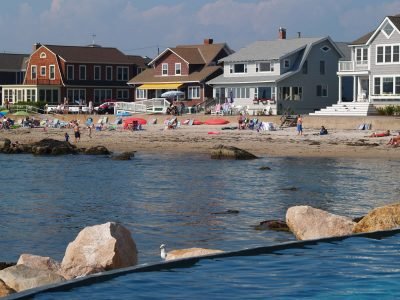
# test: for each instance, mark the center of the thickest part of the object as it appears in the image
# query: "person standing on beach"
(299, 125)
(77, 132)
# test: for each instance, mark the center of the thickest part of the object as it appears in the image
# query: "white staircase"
(347, 109)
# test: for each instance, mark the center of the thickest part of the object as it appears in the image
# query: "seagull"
(163, 251)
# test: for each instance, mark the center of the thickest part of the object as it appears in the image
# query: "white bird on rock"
(186, 253)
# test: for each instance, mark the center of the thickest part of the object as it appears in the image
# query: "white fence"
(155, 105)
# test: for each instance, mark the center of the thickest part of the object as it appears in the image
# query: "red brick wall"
(171, 58)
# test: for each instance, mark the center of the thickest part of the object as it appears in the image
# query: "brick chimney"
(282, 33)
(208, 41)
(36, 46)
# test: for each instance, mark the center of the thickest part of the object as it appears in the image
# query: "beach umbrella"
(21, 113)
(172, 94)
(4, 112)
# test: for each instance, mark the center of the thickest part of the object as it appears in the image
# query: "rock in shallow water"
(381, 218)
(230, 152)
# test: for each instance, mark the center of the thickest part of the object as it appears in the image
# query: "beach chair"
(114, 125)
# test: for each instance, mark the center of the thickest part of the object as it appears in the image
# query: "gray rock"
(97, 150)
(230, 152)
(4, 145)
(123, 156)
(276, 225)
(21, 277)
(51, 147)
(308, 223)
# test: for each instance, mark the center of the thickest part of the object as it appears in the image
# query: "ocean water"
(172, 199)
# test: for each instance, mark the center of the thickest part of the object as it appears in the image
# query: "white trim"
(123, 78)
(191, 88)
(162, 69)
(43, 73)
(271, 66)
(43, 55)
(54, 72)
(162, 53)
(36, 73)
(384, 32)
(180, 69)
(372, 37)
(384, 54)
(393, 76)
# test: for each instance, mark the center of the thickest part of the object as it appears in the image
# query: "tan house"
(185, 68)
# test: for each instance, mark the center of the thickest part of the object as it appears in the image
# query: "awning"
(160, 86)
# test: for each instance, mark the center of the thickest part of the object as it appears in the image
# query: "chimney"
(298, 34)
(36, 46)
(282, 33)
(208, 41)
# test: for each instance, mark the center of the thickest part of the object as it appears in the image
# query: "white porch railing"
(351, 66)
(155, 105)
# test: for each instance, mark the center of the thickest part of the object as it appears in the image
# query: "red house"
(184, 68)
(55, 73)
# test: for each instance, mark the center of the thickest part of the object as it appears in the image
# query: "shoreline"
(198, 140)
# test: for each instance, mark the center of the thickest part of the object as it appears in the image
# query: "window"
(291, 92)
(164, 69)
(102, 94)
(42, 71)
(396, 53)
(33, 72)
(322, 67)
(82, 72)
(322, 90)
(123, 94)
(43, 55)
(379, 55)
(387, 85)
(140, 70)
(122, 73)
(178, 68)
(97, 73)
(264, 92)
(305, 67)
(388, 29)
(70, 72)
(141, 94)
(74, 95)
(387, 54)
(193, 92)
(377, 86)
(31, 95)
(361, 56)
(52, 72)
(325, 48)
(264, 67)
(397, 87)
(109, 73)
(238, 68)
(286, 63)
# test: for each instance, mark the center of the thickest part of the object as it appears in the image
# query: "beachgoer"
(90, 107)
(323, 131)
(381, 134)
(395, 141)
(77, 132)
(90, 131)
(299, 125)
(66, 135)
(241, 123)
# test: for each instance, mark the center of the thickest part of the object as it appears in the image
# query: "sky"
(147, 27)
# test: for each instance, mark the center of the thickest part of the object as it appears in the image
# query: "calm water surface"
(46, 201)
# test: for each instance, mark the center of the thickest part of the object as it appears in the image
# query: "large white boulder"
(97, 248)
(21, 277)
(308, 223)
(5, 290)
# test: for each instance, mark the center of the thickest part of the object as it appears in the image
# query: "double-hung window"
(238, 68)
(82, 72)
(322, 90)
(178, 68)
(97, 73)
(109, 73)
(122, 73)
(43, 71)
(33, 72)
(52, 72)
(164, 68)
(193, 92)
(70, 72)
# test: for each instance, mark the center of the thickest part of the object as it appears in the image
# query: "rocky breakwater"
(49, 147)
(96, 249)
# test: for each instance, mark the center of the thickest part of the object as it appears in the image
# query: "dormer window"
(238, 68)
(265, 67)
(286, 63)
(43, 55)
(388, 29)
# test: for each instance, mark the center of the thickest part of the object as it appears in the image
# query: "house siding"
(310, 101)
(35, 60)
(171, 58)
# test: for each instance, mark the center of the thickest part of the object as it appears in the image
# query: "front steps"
(347, 109)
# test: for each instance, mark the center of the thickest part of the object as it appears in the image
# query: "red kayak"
(216, 122)
(131, 120)
(197, 122)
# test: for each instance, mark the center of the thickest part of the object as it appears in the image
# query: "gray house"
(296, 75)
(373, 69)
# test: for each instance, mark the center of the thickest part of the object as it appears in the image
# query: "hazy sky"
(142, 26)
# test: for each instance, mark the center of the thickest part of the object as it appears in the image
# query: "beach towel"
(361, 127)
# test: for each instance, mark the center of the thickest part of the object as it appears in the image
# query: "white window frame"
(178, 66)
(52, 72)
(70, 72)
(111, 73)
(43, 71)
(94, 73)
(124, 75)
(233, 71)
(381, 77)
(194, 92)
(164, 69)
(384, 32)
(361, 61)
(141, 94)
(271, 67)
(43, 55)
(80, 72)
(34, 67)
(384, 54)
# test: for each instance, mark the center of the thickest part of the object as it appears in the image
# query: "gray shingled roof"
(13, 62)
(344, 47)
(251, 79)
(365, 38)
(270, 50)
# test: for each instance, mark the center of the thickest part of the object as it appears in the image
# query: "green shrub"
(389, 110)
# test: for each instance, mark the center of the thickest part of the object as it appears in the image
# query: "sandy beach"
(201, 138)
